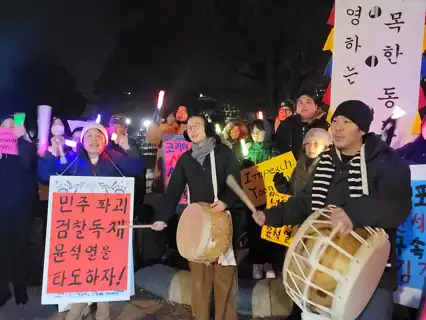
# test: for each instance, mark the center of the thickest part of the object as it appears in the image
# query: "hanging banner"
(258, 184)
(8, 142)
(173, 147)
(410, 244)
(377, 57)
(88, 254)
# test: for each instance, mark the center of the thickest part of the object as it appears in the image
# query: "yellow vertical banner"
(258, 181)
(282, 236)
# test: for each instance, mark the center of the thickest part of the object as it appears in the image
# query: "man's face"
(196, 130)
(118, 129)
(284, 112)
(182, 114)
(8, 123)
(76, 136)
(306, 107)
(94, 141)
(346, 134)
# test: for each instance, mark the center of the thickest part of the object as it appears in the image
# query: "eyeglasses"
(195, 127)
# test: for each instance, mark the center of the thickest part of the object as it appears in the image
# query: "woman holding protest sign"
(204, 169)
(17, 198)
(93, 160)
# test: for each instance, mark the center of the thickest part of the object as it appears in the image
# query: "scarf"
(357, 179)
(200, 153)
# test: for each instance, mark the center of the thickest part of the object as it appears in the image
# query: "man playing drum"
(205, 169)
(363, 182)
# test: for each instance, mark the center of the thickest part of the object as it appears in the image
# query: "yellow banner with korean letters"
(258, 181)
(282, 236)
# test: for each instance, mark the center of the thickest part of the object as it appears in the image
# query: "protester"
(284, 111)
(195, 170)
(261, 149)
(415, 152)
(94, 160)
(76, 135)
(292, 130)
(18, 199)
(315, 142)
(233, 134)
(59, 131)
(366, 185)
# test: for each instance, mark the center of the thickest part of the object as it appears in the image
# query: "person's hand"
(123, 141)
(339, 217)
(218, 206)
(158, 226)
(57, 143)
(19, 131)
(259, 217)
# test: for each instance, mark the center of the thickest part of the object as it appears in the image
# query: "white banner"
(377, 58)
(88, 257)
(76, 123)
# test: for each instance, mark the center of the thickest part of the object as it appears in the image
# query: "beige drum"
(330, 276)
(203, 235)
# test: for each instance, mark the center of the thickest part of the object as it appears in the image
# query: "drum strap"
(214, 177)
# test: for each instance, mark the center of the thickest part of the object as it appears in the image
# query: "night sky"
(76, 31)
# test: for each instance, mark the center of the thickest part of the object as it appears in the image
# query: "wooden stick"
(136, 226)
(233, 184)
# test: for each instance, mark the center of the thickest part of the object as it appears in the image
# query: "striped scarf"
(357, 180)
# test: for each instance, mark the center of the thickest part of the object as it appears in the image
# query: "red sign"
(88, 252)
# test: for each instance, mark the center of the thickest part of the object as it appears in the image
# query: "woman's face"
(196, 130)
(57, 127)
(94, 141)
(8, 123)
(235, 132)
(258, 135)
(313, 148)
(181, 114)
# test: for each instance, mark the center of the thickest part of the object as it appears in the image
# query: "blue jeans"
(380, 306)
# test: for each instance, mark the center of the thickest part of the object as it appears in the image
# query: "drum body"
(330, 275)
(203, 235)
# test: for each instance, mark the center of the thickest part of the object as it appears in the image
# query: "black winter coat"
(199, 180)
(414, 152)
(291, 131)
(387, 206)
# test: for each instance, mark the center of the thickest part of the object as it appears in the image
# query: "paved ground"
(141, 307)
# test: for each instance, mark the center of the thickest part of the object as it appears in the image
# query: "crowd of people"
(364, 179)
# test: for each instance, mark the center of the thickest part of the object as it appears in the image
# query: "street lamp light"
(147, 123)
(128, 121)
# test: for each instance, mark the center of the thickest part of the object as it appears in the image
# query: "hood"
(374, 145)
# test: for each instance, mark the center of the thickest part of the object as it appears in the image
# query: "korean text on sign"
(8, 142)
(282, 236)
(87, 250)
(173, 147)
(258, 184)
(410, 245)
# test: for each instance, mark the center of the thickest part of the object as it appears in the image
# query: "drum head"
(190, 231)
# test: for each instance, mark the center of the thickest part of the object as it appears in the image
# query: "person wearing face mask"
(292, 130)
(93, 160)
(364, 183)
(194, 168)
(59, 131)
(18, 198)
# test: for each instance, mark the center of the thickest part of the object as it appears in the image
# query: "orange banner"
(88, 252)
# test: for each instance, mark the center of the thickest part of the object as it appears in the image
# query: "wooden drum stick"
(233, 184)
(136, 226)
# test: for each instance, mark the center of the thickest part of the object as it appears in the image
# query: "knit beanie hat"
(94, 125)
(356, 111)
(318, 134)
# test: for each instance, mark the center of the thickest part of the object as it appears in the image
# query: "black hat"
(118, 119)
(356, 111)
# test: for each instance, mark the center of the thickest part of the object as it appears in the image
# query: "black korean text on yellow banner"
(258, 184)
(282, 236)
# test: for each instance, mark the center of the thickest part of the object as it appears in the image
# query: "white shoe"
(269, 272)
(257, 271)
